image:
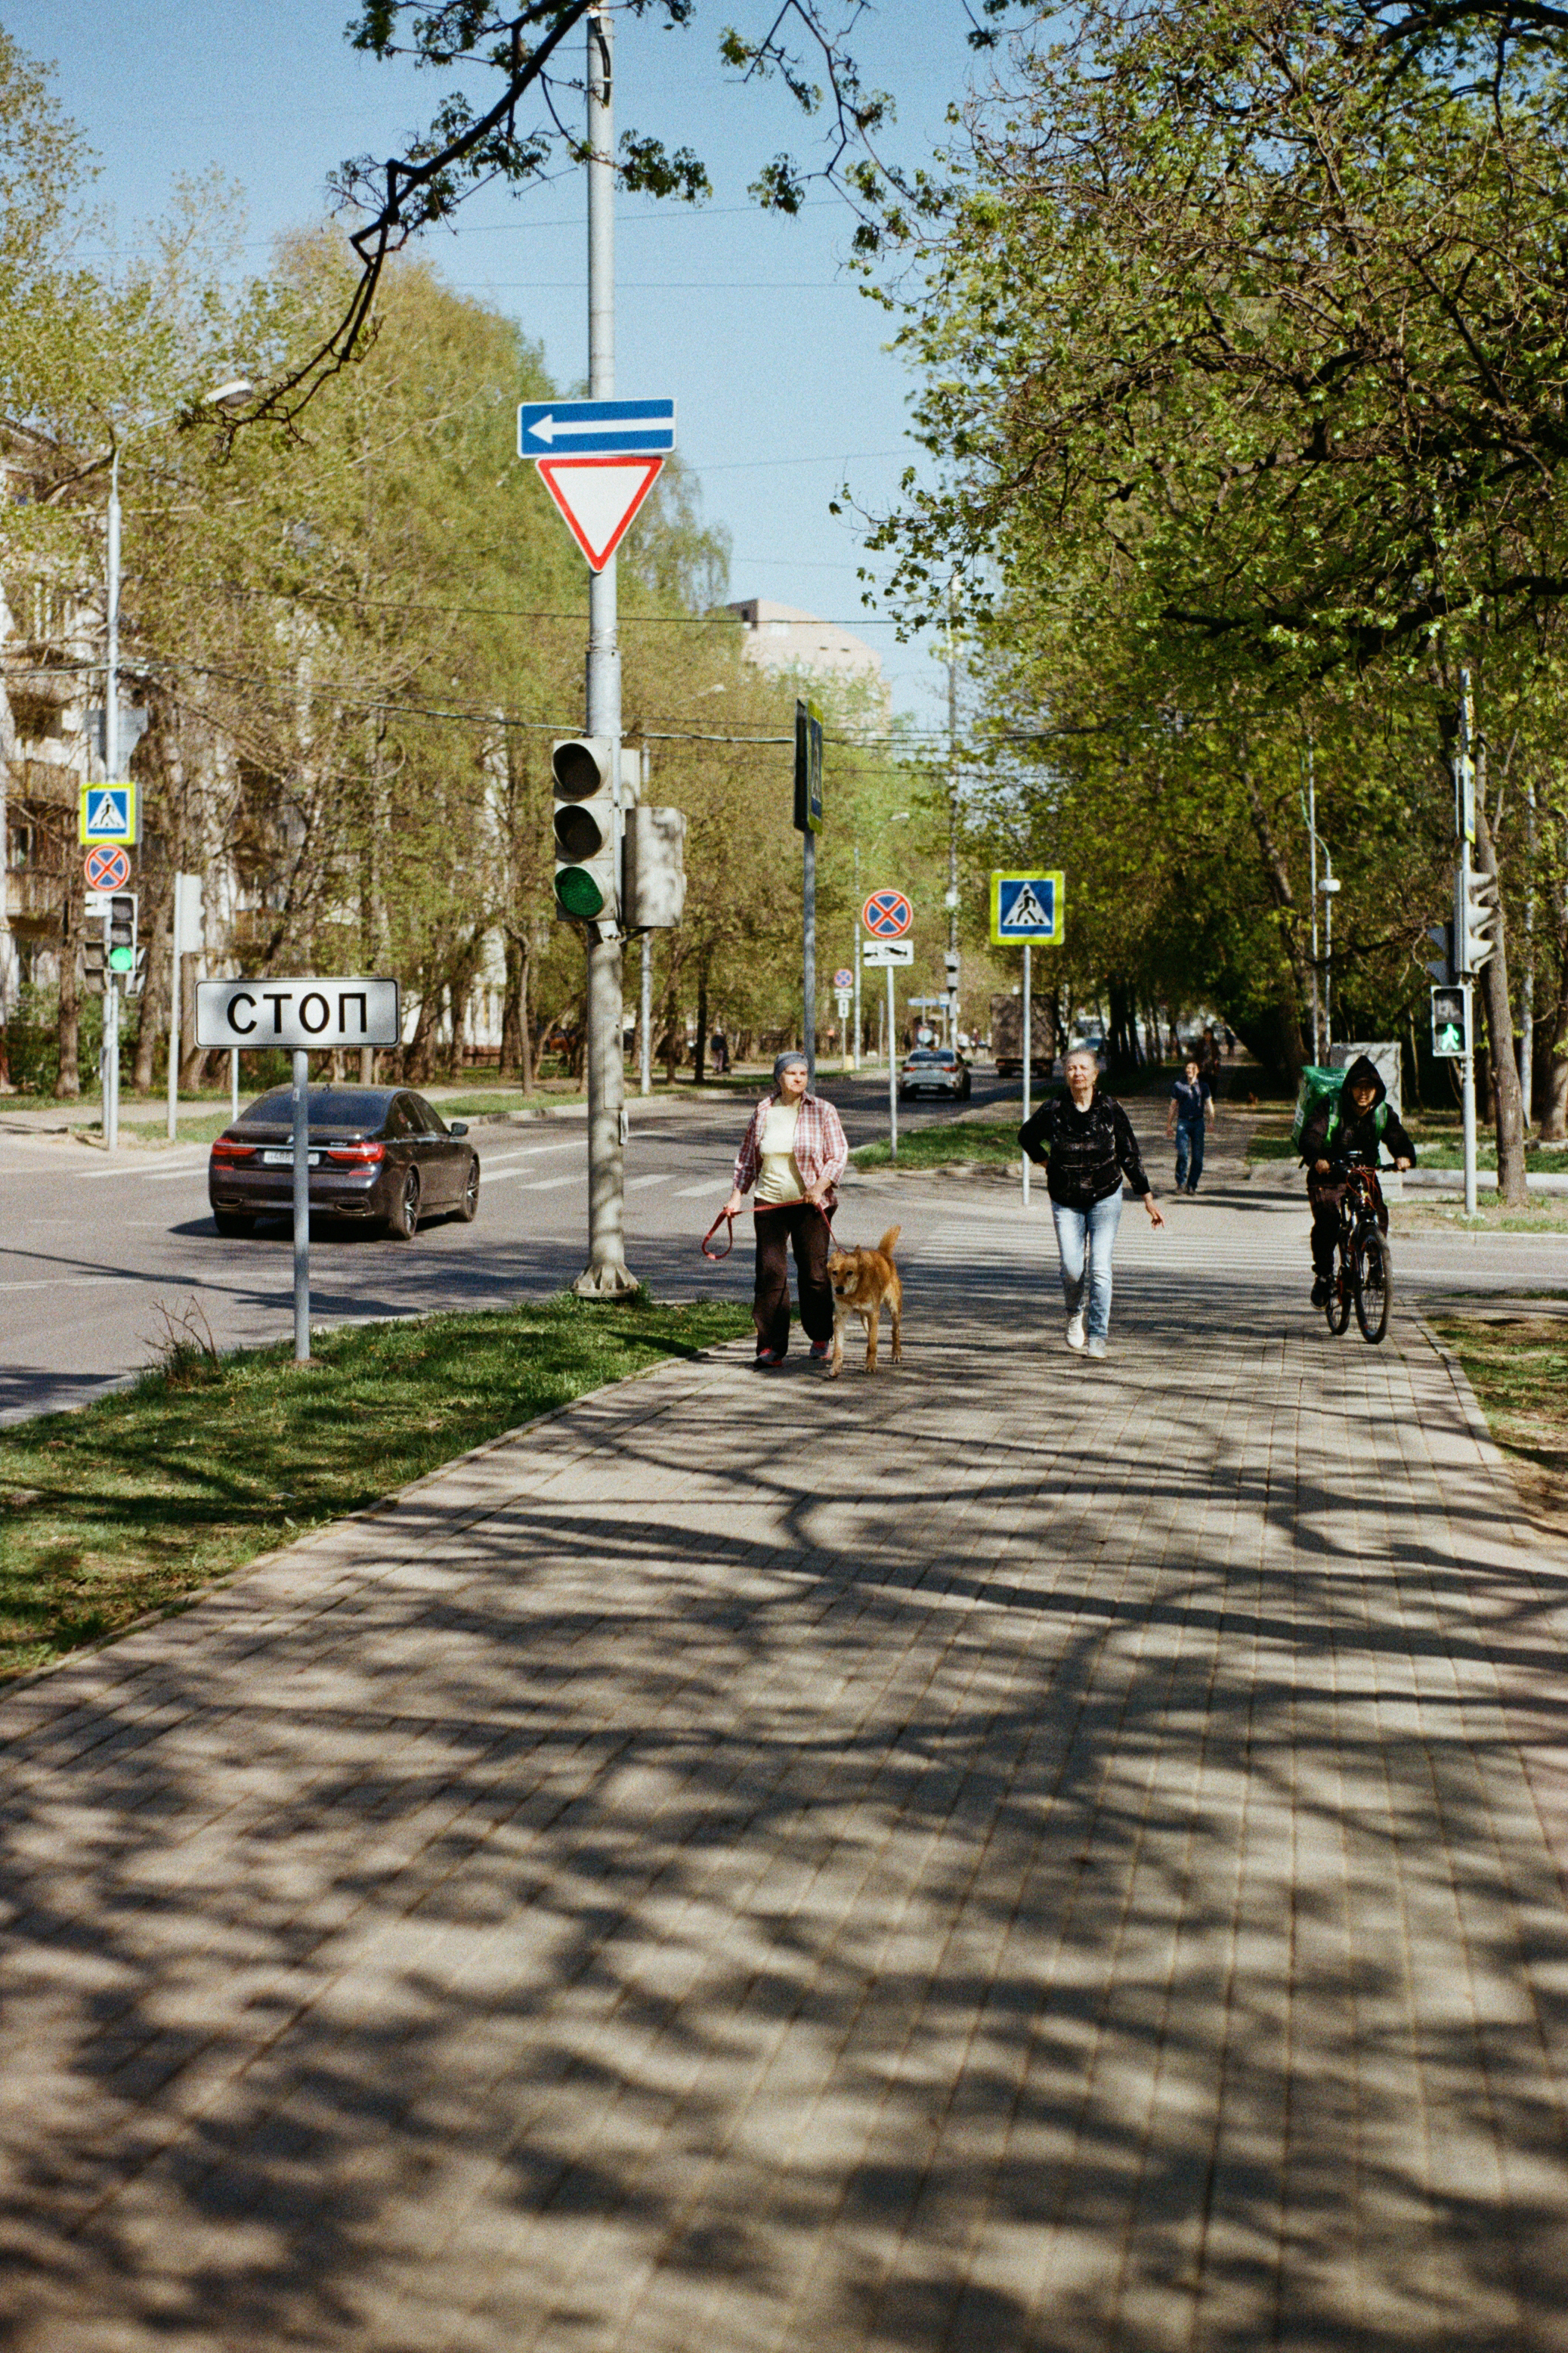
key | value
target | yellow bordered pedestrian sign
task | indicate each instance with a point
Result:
(1027, 910)
(109, 814)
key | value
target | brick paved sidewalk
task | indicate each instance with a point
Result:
(1013, 1855)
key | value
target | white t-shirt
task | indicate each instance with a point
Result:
(779, 1179)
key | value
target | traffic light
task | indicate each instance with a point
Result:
(585, 877)
(95, 954)
(1450, 1022)
(1475, 921)
(122, 934)
(1441, 965)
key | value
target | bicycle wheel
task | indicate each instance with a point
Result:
(1338, 1306)
(1373, 1276)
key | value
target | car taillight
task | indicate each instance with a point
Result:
(224, 1149)
(354, 1156)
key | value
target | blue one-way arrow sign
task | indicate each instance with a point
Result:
(593, 429)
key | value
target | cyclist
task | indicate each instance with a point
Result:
(1347, 1127)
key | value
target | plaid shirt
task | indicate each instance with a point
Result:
(821, 1147)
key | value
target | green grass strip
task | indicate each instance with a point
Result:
(939, 1146)
(1518, 1367)
(152, 1493)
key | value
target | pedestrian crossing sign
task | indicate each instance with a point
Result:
(109, 813)
(1027, 910)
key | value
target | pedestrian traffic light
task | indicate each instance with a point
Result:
(123, 935)
(95, 954)
(1441, 965)
(587, 883)
(1475, 921)
(1450, 1022)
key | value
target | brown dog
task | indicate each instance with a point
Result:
(862, 1279)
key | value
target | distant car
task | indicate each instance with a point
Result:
(934, 1070)
(376, 1153)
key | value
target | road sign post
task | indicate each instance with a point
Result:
(305, 1017)
(889, 917)
(1028, 910)
(808, 825)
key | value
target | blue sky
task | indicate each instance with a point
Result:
(753, 323)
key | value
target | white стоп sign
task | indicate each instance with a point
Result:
(313, 1014)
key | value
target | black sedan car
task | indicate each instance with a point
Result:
(934, 1071)
(378, 1153)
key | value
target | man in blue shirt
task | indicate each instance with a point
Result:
(1192, 1107)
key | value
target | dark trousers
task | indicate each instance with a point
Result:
(1325, 1201)
(796, 1223)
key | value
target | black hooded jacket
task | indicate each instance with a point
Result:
(1086, 1153)
(1337, 1130)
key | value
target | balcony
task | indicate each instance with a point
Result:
(33, 895)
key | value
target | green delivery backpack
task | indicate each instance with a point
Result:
(1319, 1086)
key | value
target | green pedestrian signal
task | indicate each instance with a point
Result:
(1451, 1023)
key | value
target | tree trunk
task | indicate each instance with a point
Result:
(154, 1023)
(416, 1070)
(1554, 1110)
(699, 1059)
(1279, 875)
(1511, 1186)
(513, 1027)
(194, 1059)
(67, 1078)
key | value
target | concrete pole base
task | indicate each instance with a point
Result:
(609, 1278)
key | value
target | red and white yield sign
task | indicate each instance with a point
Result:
(598, 460)
(106, 868)
(888, 916)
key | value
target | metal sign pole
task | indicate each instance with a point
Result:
(110, 1063)
(892, 1075)
(301, 1108)
(808, 951)
(1465, 828)
(605, 1274)
(174, 1012)
(854, 1062)
(1027, 1057)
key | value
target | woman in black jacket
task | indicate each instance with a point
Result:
(1086, 1143)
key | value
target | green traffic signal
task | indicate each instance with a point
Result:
(579, 894)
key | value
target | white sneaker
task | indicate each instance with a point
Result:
(1074, 1330)
(1096, 1347)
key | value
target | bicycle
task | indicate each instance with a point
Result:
(1364, 1270)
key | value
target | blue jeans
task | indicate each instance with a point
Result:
(1093, 1231)
(1189, 1150)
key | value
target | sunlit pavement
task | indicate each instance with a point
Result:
(1009, 1854)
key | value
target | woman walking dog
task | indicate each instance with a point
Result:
(794, 1153)
(1085, 1141)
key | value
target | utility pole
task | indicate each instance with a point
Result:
(1310, 810)
(605, 1276)
(951, 973)
(111, 1055)
(1464, 826)
(855, 1060)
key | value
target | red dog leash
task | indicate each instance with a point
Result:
(724, 1216)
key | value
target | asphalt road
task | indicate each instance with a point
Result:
(93, 1255)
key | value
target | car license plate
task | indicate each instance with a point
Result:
(286, 1159)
